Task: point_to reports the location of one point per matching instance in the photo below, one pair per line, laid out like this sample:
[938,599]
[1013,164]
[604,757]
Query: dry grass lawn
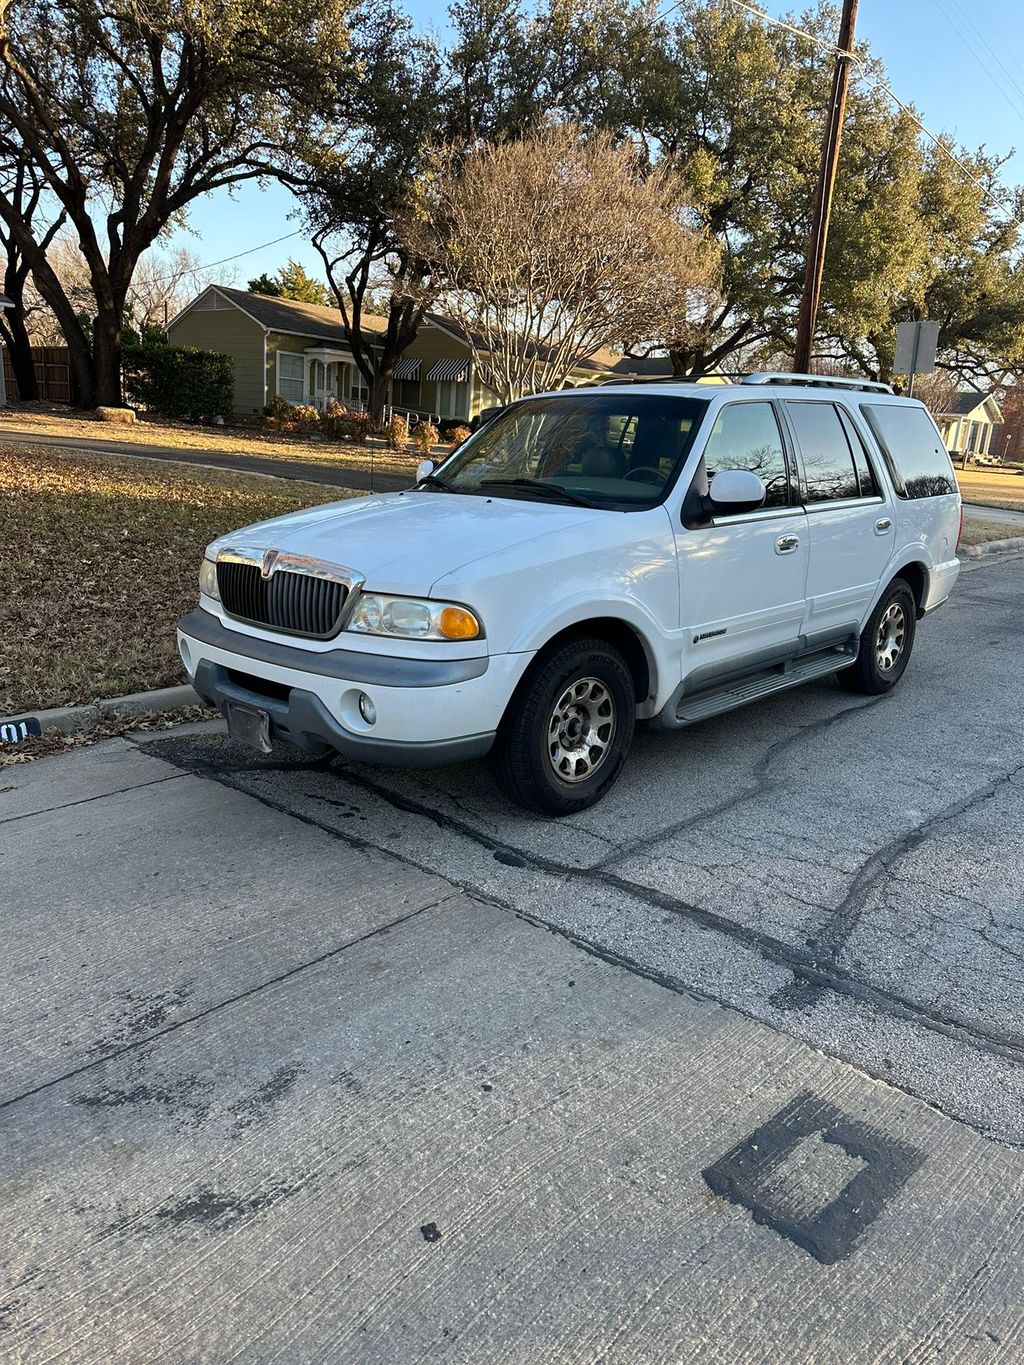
[978,532]
[992,490]
[49,420]
[100,558]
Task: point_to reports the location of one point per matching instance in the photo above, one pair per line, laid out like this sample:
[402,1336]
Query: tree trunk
[19,348]
[106,350]
[378,397]
[687,363]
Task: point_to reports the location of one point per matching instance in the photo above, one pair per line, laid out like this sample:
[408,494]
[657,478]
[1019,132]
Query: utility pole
[822,210]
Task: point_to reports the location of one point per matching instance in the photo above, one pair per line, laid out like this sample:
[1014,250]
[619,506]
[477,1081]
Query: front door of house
[324,382]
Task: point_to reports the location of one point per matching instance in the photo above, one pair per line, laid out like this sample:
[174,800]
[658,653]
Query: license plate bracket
[249,725]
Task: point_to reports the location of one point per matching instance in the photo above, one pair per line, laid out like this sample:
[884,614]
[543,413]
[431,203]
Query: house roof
[653,365]
[300,319]
[966,402]
[600,360]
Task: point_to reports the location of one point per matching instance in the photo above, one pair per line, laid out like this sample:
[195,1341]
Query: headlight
[412,618]
[208,580]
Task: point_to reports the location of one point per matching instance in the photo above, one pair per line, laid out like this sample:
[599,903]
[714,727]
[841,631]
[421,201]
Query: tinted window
[746,436]
[913,449]
[617,450]
[827,460]
[865,474]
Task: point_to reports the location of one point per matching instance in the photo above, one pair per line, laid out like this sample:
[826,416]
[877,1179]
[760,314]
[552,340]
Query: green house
[301,352]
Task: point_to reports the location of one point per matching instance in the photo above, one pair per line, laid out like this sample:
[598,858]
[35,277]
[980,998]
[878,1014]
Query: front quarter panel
[618,564]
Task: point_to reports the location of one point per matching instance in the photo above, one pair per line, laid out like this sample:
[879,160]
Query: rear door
[742,577]
[850,519]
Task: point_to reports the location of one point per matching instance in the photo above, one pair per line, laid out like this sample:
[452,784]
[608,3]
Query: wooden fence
[53,374]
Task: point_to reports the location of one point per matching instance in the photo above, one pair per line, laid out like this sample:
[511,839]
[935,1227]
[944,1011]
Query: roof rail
[816,381]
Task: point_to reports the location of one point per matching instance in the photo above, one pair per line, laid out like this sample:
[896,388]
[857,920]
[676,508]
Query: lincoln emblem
[270,558]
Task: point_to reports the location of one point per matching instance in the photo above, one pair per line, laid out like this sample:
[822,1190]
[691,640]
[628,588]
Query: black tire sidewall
[527,772]
[885,682]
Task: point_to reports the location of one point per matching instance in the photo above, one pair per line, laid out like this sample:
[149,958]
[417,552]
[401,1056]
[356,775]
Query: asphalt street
[313,1062]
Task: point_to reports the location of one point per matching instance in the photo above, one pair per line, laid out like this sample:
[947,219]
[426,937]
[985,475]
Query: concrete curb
[993,547]
[72,720]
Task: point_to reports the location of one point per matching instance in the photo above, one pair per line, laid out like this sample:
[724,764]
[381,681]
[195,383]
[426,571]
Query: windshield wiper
[438,482]
[540,486]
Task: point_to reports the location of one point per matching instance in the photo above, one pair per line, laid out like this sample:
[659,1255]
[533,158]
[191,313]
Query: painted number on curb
[13,732]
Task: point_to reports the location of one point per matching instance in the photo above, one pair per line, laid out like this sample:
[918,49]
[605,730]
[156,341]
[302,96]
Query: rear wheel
[567,730]
[885,643]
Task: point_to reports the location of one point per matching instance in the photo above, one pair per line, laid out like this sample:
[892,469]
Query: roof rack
[816,381]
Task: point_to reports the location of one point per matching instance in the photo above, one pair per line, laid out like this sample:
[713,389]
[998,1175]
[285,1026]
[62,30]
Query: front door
[324,382]
[743,578]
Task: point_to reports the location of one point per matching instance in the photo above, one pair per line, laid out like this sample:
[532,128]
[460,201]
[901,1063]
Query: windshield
[610,450]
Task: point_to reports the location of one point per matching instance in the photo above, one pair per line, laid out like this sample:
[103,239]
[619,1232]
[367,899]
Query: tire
[885,643]
[541,759]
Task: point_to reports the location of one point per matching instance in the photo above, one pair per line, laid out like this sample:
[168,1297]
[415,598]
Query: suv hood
[405,542]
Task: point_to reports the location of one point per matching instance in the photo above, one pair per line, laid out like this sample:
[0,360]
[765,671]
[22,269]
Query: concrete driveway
[308,1062]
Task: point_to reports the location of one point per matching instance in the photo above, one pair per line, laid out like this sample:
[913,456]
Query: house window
[357,391]
[972,439]
[452,398]
[291,376]
[407,393]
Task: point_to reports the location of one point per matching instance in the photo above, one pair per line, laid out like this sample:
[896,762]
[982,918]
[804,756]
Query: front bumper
[428,710]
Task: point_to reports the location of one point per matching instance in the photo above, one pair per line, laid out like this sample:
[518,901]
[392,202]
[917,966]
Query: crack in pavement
[829,942]
[802,963]
[761,783]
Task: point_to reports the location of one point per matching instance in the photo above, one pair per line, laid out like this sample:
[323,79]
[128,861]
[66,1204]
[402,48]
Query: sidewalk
[270,1092]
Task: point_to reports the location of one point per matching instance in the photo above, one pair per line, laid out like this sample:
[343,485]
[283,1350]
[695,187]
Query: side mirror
[735,491]
[424,469]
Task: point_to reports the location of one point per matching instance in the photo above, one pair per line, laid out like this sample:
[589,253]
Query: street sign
[916,345]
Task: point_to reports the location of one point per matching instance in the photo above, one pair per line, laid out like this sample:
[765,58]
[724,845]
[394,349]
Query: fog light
[367,709]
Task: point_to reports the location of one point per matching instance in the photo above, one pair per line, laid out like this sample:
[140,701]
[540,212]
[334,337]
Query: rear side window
[746,436]
[865,474]
[827,459]
[913,450]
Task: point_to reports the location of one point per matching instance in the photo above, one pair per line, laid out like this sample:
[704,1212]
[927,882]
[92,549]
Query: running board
[713,701]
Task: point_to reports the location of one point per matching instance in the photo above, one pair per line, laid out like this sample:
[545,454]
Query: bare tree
[937,391]
[130,111]
[557,245]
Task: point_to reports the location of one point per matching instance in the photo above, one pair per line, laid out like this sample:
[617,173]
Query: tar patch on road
[815,1176]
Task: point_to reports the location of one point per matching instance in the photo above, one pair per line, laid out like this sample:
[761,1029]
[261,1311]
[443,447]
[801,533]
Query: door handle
[882,525]
[785,545]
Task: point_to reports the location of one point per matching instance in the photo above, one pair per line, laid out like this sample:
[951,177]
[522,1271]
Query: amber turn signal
[455,623]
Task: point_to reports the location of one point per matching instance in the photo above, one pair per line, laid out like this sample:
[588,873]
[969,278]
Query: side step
[713,701]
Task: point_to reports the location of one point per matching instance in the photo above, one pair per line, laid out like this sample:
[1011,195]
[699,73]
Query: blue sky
[941,55]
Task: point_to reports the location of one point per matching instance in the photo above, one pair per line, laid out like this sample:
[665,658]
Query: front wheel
[567,730]
[885,643]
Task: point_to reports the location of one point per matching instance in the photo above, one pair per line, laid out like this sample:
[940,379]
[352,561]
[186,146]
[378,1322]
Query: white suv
[656,551]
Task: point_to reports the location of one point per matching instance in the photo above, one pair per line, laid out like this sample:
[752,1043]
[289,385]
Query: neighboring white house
[968,428]
[5,302]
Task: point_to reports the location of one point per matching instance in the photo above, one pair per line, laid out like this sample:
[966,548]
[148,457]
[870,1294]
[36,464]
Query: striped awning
[450,369]
[408,369]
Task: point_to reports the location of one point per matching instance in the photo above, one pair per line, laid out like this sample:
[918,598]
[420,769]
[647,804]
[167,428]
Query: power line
[1000,201]
[963,25]
[212,265]
[799,32]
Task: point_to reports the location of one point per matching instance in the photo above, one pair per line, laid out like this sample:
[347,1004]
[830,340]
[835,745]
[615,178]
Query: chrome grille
[294,603]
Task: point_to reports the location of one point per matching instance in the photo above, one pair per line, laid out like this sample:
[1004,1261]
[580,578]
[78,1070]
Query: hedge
[179,381]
